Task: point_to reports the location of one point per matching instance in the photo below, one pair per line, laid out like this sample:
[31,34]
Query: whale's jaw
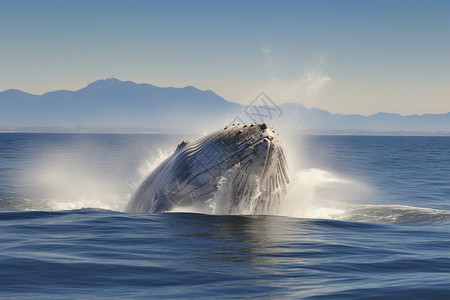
[242,166]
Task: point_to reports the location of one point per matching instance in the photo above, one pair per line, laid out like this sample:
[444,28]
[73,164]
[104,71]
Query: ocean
[366,217]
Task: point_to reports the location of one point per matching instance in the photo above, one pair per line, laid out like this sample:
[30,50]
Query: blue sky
[343,56]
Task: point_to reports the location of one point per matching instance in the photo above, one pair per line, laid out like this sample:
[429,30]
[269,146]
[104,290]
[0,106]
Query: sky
[350,57]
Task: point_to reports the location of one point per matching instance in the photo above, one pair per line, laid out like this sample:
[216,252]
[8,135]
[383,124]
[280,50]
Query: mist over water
[78,174]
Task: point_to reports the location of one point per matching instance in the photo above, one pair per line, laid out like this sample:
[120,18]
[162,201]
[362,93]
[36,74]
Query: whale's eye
[156,197]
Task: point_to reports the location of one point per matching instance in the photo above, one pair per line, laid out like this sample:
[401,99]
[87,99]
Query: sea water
[366,217]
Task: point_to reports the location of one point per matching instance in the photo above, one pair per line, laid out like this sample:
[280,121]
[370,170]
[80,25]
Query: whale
[240,169]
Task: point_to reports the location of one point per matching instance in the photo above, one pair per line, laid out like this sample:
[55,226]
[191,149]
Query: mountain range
[113,104]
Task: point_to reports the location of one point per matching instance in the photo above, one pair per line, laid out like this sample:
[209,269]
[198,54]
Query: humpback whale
[241,168]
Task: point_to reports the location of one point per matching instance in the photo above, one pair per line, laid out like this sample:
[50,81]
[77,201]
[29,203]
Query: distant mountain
[322,120]
[112,103]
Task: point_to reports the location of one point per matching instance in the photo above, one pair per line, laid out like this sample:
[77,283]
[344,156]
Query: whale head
[242,169]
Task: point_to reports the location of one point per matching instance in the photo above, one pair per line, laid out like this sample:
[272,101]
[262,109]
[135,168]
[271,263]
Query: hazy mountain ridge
[112,103]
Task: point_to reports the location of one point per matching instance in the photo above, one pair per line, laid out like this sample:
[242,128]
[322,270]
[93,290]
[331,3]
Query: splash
[321,194]
[66,182]
[78,174]
[316,193]
[313,193]
[150,164]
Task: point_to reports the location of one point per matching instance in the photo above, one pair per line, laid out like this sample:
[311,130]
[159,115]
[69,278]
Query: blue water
[366,218]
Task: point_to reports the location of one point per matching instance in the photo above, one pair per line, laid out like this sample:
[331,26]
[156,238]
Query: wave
[393,214]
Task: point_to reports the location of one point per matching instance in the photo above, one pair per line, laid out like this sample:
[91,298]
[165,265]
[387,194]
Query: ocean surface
[366,217]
